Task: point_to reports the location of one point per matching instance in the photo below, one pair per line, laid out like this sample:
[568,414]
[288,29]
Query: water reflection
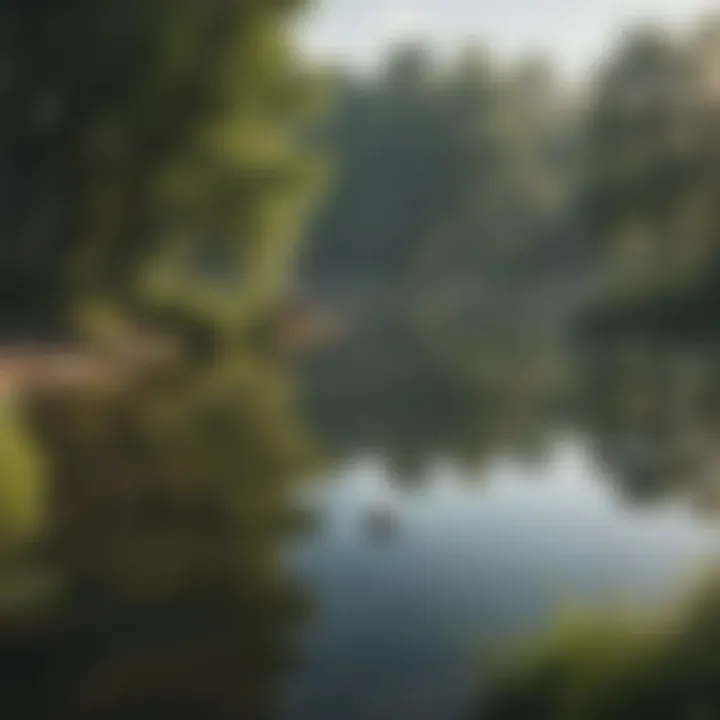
[653,413]
[397,388]
[649,411]
[175,548]
[409,629]
[578,486]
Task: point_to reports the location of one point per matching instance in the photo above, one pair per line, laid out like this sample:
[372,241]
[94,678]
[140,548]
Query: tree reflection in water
[649,412]
[652,414]
[392,389]
[154,586]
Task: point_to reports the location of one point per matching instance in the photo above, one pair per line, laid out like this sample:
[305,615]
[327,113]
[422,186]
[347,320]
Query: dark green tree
[447,174]
[149,155]
[652,171]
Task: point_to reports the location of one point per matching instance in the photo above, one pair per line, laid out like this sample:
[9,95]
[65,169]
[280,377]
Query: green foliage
[445,174]
[22,480]
[149,154]
[172,501]
[652,179]
[621,666]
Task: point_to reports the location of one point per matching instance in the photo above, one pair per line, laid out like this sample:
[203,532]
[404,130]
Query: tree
[652,175]
[169,508]
[447,173]
[147,148]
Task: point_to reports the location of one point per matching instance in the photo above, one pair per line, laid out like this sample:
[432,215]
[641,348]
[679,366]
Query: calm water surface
[403,625]
[206,546]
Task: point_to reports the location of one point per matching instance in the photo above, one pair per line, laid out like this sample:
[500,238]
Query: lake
[361,536]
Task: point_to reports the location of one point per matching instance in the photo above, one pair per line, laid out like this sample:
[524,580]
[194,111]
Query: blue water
[403,626]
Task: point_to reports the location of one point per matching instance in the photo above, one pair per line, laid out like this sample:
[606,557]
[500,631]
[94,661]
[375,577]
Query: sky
[574,32]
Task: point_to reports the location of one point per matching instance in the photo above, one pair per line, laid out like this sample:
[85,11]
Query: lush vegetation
[150,157]
[622,666]
[153,162]
[22,480]
[154,170]
[478,175]
[156,165]
[453,173]
[652,180]
[158,586]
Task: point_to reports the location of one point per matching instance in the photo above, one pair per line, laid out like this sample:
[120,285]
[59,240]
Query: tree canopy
[147,147]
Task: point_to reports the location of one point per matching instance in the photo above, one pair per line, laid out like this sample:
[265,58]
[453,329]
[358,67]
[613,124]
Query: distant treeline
[472,171]
[459,171]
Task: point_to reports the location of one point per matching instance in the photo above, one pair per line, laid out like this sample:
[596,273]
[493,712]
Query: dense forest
[150,158]
[140,174]
[154,168]
[457,173]
[476,174]
[652,164]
